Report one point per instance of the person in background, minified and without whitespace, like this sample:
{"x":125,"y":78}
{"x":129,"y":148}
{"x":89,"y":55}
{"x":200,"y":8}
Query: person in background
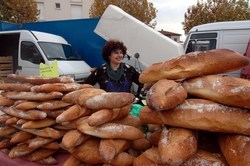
{"x":114,"y":75}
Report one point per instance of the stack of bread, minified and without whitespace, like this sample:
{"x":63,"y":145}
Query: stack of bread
{"x":43,"y":116}
{"x":205,"y":117}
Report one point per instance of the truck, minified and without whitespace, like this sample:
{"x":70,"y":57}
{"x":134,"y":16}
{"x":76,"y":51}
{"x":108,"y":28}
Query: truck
{"x":22,"y":51}
{"x":232,"y":35}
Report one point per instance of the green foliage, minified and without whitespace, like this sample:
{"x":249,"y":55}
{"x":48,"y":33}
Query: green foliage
{"x":140,"y":9}
{"x":215,"y":11}
{"x":18,"y":11}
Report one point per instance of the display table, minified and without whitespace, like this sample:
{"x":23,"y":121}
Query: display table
{"x":61,"y":157}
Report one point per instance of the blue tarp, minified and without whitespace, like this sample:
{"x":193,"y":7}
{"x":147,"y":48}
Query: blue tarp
{"x":78,"y":32}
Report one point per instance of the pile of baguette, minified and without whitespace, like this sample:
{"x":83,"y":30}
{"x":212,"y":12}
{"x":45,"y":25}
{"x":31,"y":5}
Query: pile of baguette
{"x":204,"y":116}
{"x":193,"y":117}
{"x":43,"y":117}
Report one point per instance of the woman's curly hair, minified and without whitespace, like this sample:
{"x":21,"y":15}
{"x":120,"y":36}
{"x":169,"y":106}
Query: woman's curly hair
{"x":110,"y":46}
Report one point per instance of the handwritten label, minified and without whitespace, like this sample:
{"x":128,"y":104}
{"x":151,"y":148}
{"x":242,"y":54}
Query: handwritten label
{"x":49,"y":70}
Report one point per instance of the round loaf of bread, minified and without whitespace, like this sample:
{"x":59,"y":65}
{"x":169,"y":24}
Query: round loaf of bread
{"x":226,"y":90}
{"x":165,"y":94}
{"x":202,"y":115}
{"x":195,"y":64}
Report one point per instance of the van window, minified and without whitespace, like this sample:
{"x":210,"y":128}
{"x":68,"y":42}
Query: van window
{"x":29,"y":52}
{"x":202,"y":42}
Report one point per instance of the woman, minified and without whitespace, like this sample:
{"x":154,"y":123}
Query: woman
{"x":114,"y":76}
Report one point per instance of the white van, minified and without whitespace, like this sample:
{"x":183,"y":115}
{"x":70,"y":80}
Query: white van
{"x":233,"y":35}
{"x":30,"y":48}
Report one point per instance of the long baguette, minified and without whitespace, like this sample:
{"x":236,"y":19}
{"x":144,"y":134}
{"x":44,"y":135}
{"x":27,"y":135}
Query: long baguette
{"x":111,"y":130}
{"x":109,"y":100}
{"x":5,"y":101}
{"x":46,"y":122}
{"x":16,"y":87}
{"x":27,"y":105}
{"x":59,"y":87}
{"x":53,"y":105}
{"x":195,"y":64}
{"x":37,"y":80}
{"x":21,"y":136}
{"x":202,"y":115}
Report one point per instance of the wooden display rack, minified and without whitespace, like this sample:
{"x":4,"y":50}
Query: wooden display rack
{"x":6,"y":67}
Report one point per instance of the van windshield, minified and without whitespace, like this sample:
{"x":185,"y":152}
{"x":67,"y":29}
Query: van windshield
{"x":201,"y":42}
{"x":56,"y":51}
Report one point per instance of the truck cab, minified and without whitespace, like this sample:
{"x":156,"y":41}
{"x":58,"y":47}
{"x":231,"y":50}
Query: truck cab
{"x":30,"y":48}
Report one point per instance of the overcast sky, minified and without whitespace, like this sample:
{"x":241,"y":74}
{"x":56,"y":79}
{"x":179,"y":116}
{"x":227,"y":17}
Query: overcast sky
{"x":171,"y":13}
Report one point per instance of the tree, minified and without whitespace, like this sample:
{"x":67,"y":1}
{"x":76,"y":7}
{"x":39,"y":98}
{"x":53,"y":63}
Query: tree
{"x":215,"y":11}
{"x":18,"y":11}
{"x":140,"y":9}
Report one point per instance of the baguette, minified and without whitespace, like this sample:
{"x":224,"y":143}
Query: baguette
{"x":53,"y":105}
{"x":5,"y":101}
{"x":111,"y":130}
{"x":109,"y":100}
{"x":123,"y":158}
{"x":48,"y":161}
{"x":100,"y":117}
{"x":5,"y":143}
{"x":39,"y":154}
{"x":11,"y":121}
{"x":37,"y":80}
{"x":165,"y":94}
{"x":225,"y":90}
{"x":235,"y":148}
{"x":4,"y":118}
{"x":72,"y":113}
{"x":20,"y":136}
{"x":16,"y":87}
{"x":202,"y":115}
{"x":46,"y":122}
{"x":38,"y":142}
{"x":29,"y":115}
{"x":195,"y":64}
{"x":141,"y":144}
{"x":176,"y":145}
{"x":20,"y":150}
{"x":33,"y":96}
{"x":59,"y":87}
{"x":27,"y":105}
{"x":129,"y":120}
{"x":7,"y":130}
{"x":44,"y":132}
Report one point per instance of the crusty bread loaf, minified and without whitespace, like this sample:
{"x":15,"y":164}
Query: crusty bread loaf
{"x":7,"y":130}
{"x":26,"y":105}
{"x":20,"y":136}
{"x":203,"y":115}
{"x":20,"y":150}
{"x":165,"y":94}
{"x":141,"y":144}
{"x":73,"y":138}
{"x":39,"y":154}
{"x":235,"y":148}
{"x":72,"y":161}
{"x":226,"y":90}
{"x":38,"y":142}
{"x":85,"y":94}
{"x":195,"y":64}
{"x":37,"y":80}
{"x":176,"y":145}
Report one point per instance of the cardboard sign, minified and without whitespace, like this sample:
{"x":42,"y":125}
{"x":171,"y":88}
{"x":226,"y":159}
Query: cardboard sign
{"x":49,"y":70}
